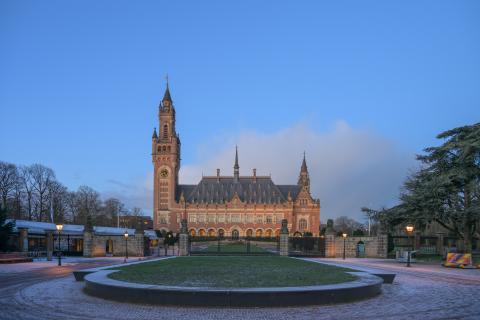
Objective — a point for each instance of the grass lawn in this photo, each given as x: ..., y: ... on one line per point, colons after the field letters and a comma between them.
x: 232, y: 248
x: 233, y: 272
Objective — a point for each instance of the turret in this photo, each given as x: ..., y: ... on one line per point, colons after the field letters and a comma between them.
x: 236, y: 167
x: 304, y: 179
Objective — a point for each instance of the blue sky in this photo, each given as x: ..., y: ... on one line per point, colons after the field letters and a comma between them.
x: 80, y: 83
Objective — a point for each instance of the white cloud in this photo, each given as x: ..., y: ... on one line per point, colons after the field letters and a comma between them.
x: 349, y: 168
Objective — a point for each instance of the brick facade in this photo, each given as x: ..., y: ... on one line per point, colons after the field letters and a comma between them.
x: 224, y: 205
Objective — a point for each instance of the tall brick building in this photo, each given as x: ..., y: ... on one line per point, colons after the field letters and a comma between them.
x: 230, y: 206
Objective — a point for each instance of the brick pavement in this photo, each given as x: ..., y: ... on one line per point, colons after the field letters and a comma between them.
x: 414, y: 295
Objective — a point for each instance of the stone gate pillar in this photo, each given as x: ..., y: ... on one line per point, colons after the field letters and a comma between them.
x: 284, y: 238
x: 49, y: 238
x: 330, y: 240
x: 183, y: 239
x: 87, y: 244
x: 23, y: 239
x: 417, y: 240
x: 382, y: 245
x: 439, y: 244
x: 139, y: 244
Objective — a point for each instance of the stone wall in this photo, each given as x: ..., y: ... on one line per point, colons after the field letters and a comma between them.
x: 96, y: 245
x: 375, y: 247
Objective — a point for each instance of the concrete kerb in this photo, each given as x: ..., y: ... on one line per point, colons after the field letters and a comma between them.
x: 387, y: 277
x: 80, y: 274
x: 100, y: 285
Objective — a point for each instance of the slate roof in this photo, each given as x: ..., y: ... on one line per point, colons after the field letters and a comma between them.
x: 215, y: 190
x: 35, y: 227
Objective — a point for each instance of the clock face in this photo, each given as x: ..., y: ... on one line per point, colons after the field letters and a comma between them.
x: 164, y: 173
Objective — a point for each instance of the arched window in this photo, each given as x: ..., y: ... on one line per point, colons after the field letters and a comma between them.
x: 268, y: 233
x: 164, y: 148
x: 249, y: 232
x: 302, y: 225
x: 235, y: 234
x: 259, y: 233
x: 221, y: 233
x: 193, y: 233
x: 211, y: 233
x: 202, y: 232
x: 165, y: 131
x: 168, y: 148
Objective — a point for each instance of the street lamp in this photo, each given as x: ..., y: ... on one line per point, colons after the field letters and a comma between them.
x: 409, y: 228
x: 59, y: 255
x: 344, y: 235
x: 126, y: 245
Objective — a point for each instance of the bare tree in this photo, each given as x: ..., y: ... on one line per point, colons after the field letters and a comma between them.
x: 42, y: 176
x: 112, y: 209
x: 89, y: 204
x: 57, y: 196
x: 26, y: 179
x: 73, y: 206
x: 348, y: 225
x: 8, y: 179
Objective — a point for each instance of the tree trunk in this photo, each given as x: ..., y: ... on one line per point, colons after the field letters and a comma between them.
x: 467, y: 225
x: 467, y: 238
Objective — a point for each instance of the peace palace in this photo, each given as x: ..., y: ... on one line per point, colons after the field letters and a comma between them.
x: 228, y: 206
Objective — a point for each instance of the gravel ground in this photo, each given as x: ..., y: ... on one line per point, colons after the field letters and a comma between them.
x: 426, y: 293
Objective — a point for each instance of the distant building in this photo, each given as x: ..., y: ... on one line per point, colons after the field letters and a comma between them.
x: 223, y: 205
x: 136, y: 222
x: 42, y: 239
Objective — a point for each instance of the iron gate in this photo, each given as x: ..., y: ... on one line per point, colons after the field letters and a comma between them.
x: 233, y: 245
x: 306, y: 247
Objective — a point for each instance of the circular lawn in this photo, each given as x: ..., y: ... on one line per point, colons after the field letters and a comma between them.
x: 233, y: 272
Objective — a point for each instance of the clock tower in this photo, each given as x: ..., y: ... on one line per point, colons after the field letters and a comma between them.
x: 166, y: 163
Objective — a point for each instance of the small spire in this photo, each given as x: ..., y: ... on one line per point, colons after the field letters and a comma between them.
x: 154, y: 136
x: 304, y: 164
x: 236, y: 167
x: 304, y: 179
x: 166, y: 96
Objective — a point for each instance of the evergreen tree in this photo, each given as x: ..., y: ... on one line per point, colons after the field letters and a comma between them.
x: 5, y: 229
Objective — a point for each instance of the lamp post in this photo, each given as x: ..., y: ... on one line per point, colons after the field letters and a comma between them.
x: 126, y: 245
x: 59, y: 254
x: 409, y: 228
x: 344, y: 235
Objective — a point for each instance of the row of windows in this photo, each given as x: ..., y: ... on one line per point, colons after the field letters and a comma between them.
x: 250, y: 218
x: 235, y: 233
x: 164, y: 149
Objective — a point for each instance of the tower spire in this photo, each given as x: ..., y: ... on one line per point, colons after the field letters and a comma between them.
x: 166, y: 96
x: 304, y: 164
x: 304, y: 179
x: 236, y: 167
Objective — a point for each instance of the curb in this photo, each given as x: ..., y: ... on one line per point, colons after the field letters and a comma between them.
x: 98, y: 284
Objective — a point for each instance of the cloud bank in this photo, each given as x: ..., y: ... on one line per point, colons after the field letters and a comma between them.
x: 349, y: 168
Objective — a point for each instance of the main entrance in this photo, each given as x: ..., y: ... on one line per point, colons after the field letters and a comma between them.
x: 233, y: 245
x: 305, y: 246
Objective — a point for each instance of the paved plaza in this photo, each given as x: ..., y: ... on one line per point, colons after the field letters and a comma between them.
x: 421, y: 292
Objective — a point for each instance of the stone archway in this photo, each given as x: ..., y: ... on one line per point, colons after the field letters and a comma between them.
x: 109, y: 247
x: 235, y: 234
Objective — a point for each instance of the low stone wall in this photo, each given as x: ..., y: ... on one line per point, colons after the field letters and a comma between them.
x: 365, y: 286
x: 96, y: 245
x: 375, y: 247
